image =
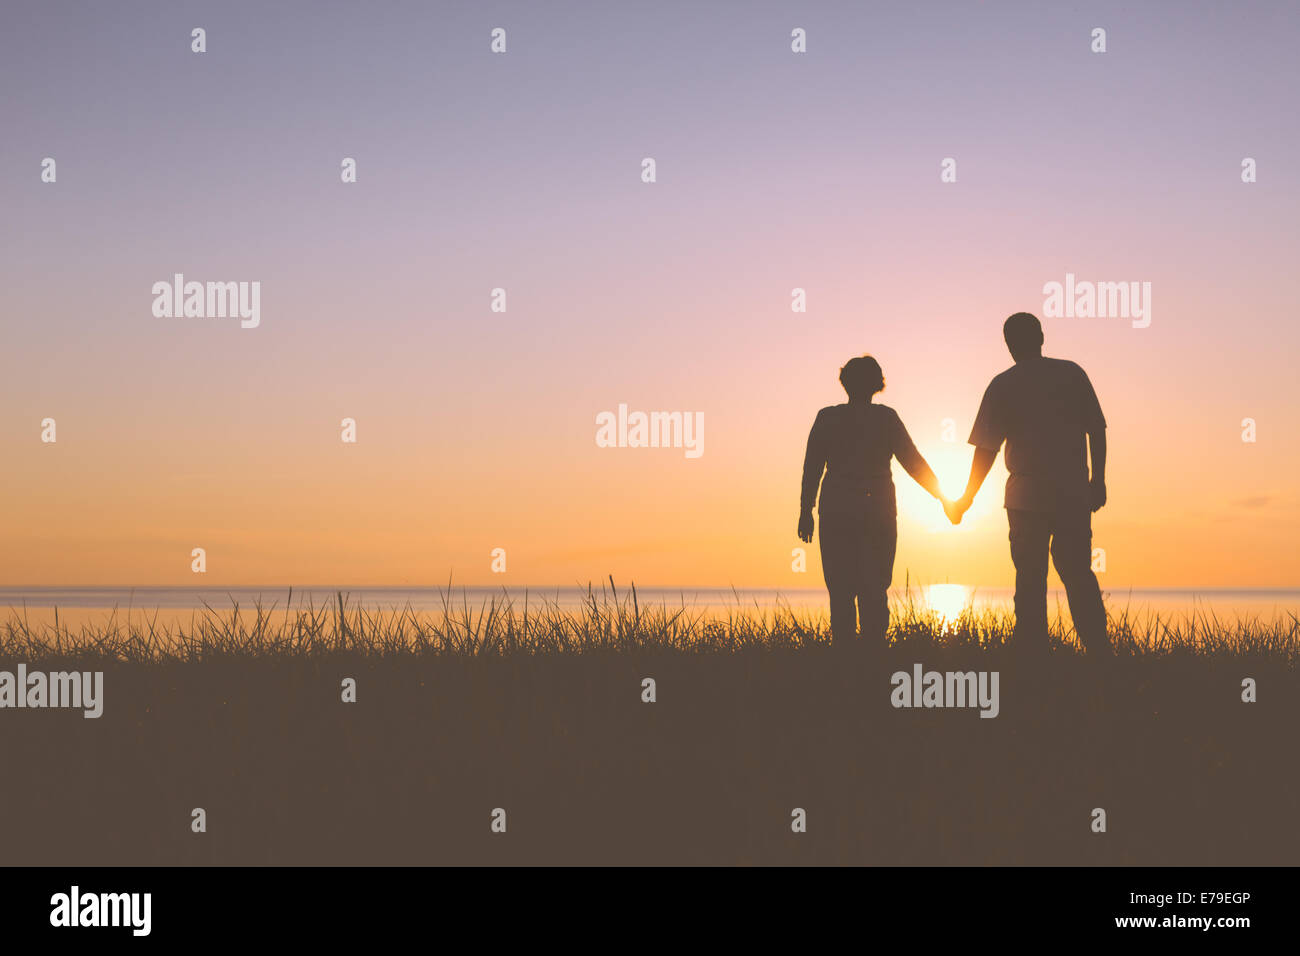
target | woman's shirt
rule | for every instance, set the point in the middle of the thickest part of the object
(854, 443)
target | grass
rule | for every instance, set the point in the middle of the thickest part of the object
(607, 621)
(538, 710)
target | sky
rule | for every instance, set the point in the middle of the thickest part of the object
(522, 170)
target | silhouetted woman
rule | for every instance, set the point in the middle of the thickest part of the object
(854, 444)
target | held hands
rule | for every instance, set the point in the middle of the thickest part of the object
(954, 509)
(805, 526)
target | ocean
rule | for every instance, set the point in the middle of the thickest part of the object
(177, 604)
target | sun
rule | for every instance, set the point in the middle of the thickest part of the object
(951, 464)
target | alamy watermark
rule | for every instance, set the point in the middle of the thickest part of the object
(75, 908)
(626, 429)
(210, 300)
(1098, 300)
(923, 688)
(36, 689)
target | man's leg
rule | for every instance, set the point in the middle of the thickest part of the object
(836, 536)
(1072, 555)
(1030, 537)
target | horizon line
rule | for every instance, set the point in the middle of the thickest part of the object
(583, 587)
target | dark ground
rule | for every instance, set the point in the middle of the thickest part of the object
(709, 774)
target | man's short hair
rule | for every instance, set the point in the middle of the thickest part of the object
(1023, 333)
(862, 377)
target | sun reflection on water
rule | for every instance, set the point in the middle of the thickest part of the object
(947, 600)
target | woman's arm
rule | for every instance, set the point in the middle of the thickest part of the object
(814, 464)
(913, 461)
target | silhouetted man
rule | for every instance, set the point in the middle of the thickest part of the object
(854, 444)
(1047, 413)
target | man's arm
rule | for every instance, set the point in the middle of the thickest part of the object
(1095, 424)
(814, 463)
(979, 470)
(1097, 448)
(987, 435)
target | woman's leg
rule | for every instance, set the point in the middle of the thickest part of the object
(880, 543)
(837, 536)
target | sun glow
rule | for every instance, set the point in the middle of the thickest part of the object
(951, 464)
(947, 600)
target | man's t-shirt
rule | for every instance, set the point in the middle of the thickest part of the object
(854, 444)
(1043, 409)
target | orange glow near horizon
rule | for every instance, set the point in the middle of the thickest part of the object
(105, 507)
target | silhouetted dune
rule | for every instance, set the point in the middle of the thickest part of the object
(742, 732)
